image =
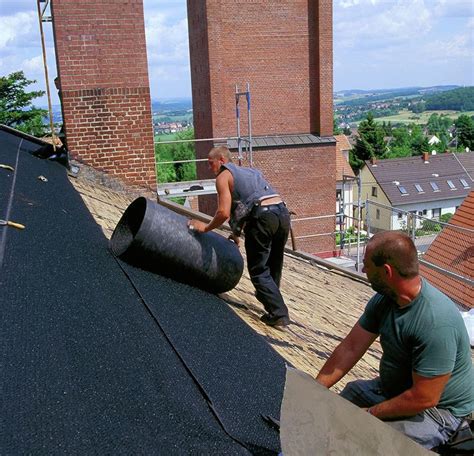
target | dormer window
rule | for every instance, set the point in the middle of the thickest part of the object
(464, 183)
(419, 188)
(434, 186)
(451, 185)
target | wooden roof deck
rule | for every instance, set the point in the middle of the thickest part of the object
(323, 304)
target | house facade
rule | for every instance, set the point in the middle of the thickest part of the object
(345, 182)
(428, 186)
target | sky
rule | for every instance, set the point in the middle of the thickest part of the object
(377, 44)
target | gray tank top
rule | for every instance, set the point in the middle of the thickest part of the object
(249, 185)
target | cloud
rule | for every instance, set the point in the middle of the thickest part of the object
(166, 30)
(377, 23)
(17, 29)
(33, 65)
(454, 8)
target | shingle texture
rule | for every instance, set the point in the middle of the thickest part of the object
(99, 357)
(342, 166)
(453, 250)
(393, 174)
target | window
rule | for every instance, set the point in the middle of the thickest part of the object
(436, 213)
(419, 188)
(377, 214)
(374, 191)
(464, 183)
(451, 185)
(403, 190)
(434, 186)
(400, 215)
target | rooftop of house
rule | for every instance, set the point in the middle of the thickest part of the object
(103, 355)
(342, 157)
(424, 178)
(453, 250)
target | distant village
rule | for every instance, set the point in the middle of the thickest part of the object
(165, 128)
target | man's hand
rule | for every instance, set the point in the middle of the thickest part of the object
(196, 225)
(235, 239)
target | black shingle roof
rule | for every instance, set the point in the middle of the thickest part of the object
(396, 175)
(98, 357)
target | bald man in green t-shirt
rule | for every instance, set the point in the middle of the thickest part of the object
(426, 383)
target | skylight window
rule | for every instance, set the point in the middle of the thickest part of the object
(451, 185)
(464, 183)
(403, 190)
(434, 186)
(419, 188)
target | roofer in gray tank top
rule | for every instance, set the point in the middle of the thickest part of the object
(252, 205)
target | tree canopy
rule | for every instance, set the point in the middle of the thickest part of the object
(176, 172)
(16, 108)
(460, 99)
(369, 144)
(465, 131)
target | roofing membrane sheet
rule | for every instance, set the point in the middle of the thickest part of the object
(86, 368)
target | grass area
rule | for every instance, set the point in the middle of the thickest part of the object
(166, 137)
(408, 117)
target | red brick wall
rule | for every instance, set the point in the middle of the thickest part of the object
(284, 50)
(102, 63)
(304, 177)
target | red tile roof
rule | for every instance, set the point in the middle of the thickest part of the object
(342, 166)
(453, 250)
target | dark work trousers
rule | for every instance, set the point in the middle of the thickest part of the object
(266, 234)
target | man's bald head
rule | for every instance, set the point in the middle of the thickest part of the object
(395, 249)
(220, 152)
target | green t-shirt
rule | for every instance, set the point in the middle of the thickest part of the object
(428, 336)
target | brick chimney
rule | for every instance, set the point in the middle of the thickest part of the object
(283, 49)
(426, 156)
(102, 65)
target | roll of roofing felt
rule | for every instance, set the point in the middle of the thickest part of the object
(157, 239)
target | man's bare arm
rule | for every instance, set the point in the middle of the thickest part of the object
(424, 394)
(224, 196)
(346, 354)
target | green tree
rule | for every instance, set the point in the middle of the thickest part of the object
(400, 145)
(176, 172)
(335, 128)
(16, 109)
(418, 141)
(370, 143)
(465, 131)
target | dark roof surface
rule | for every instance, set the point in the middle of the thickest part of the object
(100, 357)
(467, 162)
(283, 141)
(453, 250)
(394, 175)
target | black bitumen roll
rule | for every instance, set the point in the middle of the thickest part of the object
(157, 239)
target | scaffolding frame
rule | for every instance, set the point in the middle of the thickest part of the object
(190, 188)
(247, 140)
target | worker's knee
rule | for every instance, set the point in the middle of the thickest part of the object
(363, 393)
